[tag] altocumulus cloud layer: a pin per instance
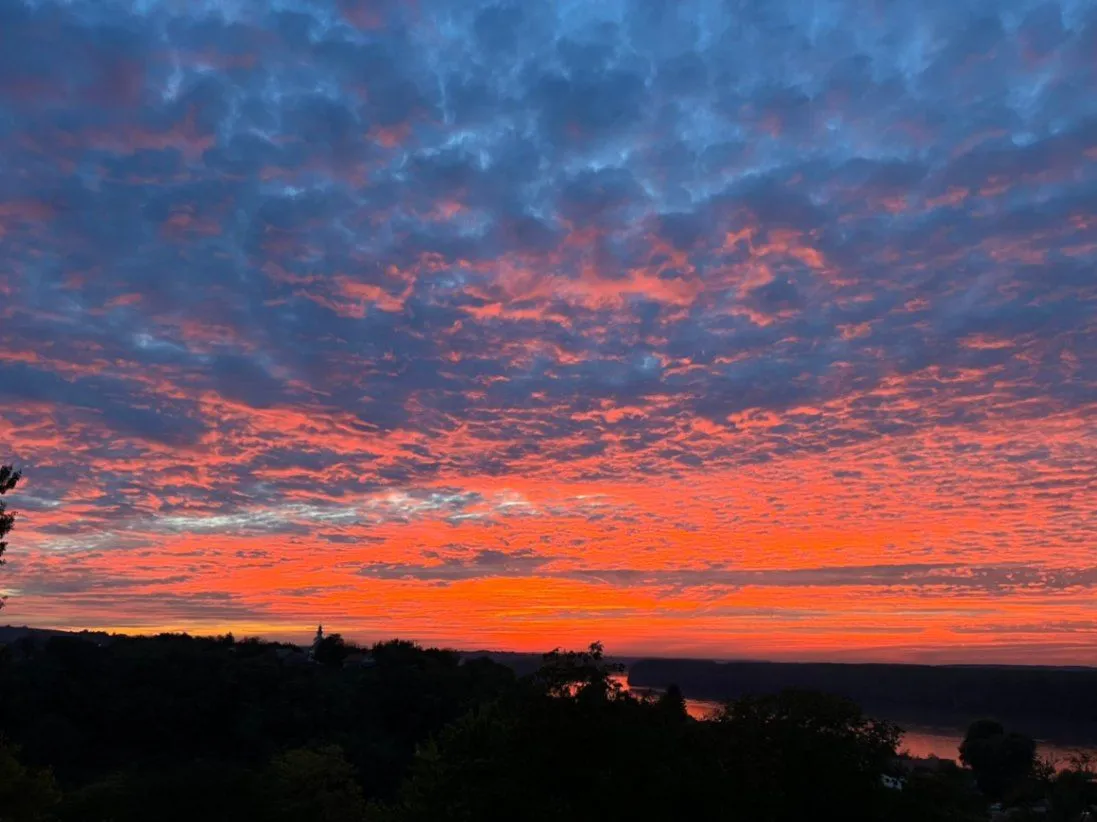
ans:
(725, 327)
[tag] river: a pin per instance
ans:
(918, 741)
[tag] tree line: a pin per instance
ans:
(175, 727)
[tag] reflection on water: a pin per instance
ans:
(697, 708)
(944, 743)
(921, 742)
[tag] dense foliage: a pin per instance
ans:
(598, 755)
(1000, 761)
(173, 727)
(200, 728)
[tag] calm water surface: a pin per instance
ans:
(917, 741)
(945, 743)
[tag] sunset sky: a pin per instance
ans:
(755, 328)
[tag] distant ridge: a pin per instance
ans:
(14, 633)
(1033, 695)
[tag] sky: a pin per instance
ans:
(735, 328)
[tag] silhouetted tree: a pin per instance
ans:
(1073, 790)
(1000, 761)
(943, 795)
(317, 784)
(186, 725)
(799, 744)
(26, 795)
(331, 650)
(9, 478)
(203, 728)
(574, 672)
(566, 747)
(673, 703)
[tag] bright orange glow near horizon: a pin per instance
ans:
(711, 334)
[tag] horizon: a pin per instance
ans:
(611, 654)
(744, 329)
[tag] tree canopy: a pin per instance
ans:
(569, 745)
(182, 728)
(1000, 761)
(9, 478)
(26, 794)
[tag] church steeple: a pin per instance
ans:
(316, 641)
